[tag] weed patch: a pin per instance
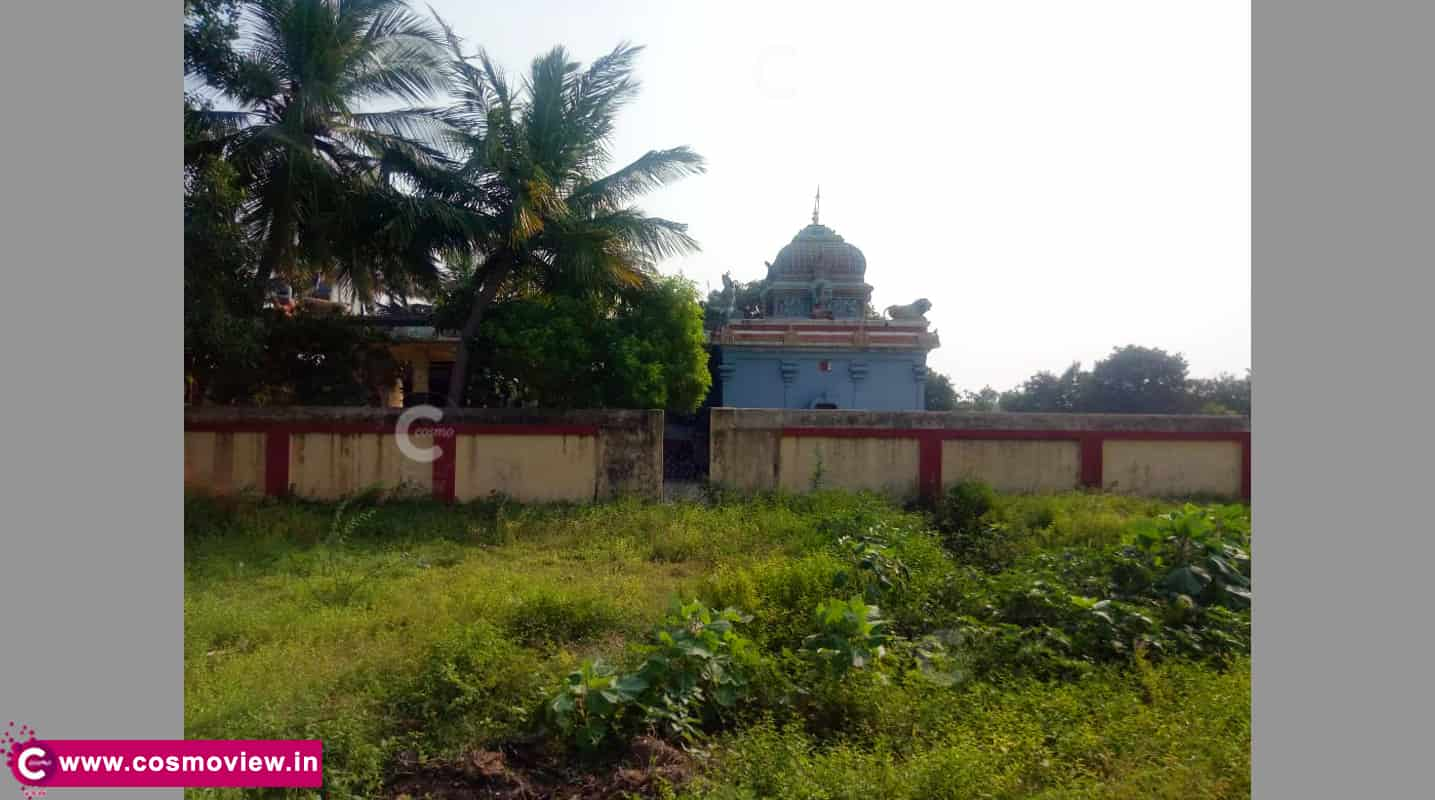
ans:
(829, 645)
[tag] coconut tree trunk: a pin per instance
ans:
(276, 245)
(458, 381)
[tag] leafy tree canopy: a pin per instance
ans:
(639, 347)
(943, 395)
(1132, 379)
(1139, 380)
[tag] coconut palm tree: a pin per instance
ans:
(330, 177)
(533, 159)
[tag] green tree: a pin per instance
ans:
(533, 162)
(641, 347)
(322, 174)
(1223, 394)
(1048, 392)
(1139, 380)
(221, 332)
(942, 395)
(305, 359)
(210, 28)
(987, 399)
(659, 359)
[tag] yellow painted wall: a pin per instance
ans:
(1014, 465)
(884, 465)
(542, 468)
(744, 459)
(1172, 468)
(331, 465)
(224, 463)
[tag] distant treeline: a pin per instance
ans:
(1134, 380)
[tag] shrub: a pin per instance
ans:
(1197, 554)
(779, 593)
(970, 532)
(963, 507)
(546, 618)
(850, 635)
(474, 687)
(875, 568)
(695, 669)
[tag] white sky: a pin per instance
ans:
(1058, 178)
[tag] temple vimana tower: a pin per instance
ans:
(815, 345)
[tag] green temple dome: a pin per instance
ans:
(818, 253)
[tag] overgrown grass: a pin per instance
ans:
(430, 631)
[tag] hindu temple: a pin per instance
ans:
(815, 343)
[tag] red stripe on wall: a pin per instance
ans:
(929, 467)
(387, 427)
(445, 467)
(1092, 460)
(982, 433)
(929, 442)
(276, 463)
(1246, 467)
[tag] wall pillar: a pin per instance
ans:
(789, 374)
(727, 370)
(858, 372)
(919, 373)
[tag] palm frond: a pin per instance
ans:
(653, 170)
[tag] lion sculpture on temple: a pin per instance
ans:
(914, 310)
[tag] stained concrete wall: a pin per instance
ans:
(224, 462)
(1013, 465)
(907, 453)
(567, 465)
(1171, 468)
(888, 465)
(331, 452)
(327, 466)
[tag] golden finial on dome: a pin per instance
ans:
(816, 204)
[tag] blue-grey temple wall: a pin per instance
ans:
(873, 380)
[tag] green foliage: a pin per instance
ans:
(474, 687)
(554, 221)
(306, 359)
(1131, 379)
(1049, 392)
(551, 618)
(694, 670)
(1197, 554)
(1139, 380)
(962, 509)
(877, 569)
(1107, 735)
(220, 330)
(637, 348)
(210, 28)
(1223, 394)
(287, 178)
(1064, 668)
(234, 353)
(323, 177)
(942, 395)
(850, 635)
